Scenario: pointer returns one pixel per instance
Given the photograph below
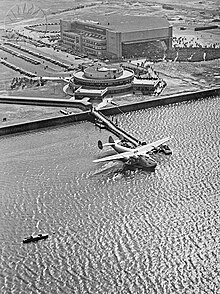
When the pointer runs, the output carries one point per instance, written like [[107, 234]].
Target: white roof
[[90, 91], [144, 82]]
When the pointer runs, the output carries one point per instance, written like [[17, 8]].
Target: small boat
[[64, 112], [34, 238]]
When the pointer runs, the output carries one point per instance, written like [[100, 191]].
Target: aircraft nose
[[149, 162], [152, 163]]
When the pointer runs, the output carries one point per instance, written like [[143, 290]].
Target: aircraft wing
[[148, 147], [124, 155], [137, 151]]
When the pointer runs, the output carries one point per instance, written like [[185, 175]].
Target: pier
[[103, 122], [50, 102]]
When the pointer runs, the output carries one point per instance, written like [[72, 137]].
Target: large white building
[[117, 37]]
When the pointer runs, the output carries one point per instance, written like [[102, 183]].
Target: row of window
[[94, 83], [90, 38], [70, 43], [93, 42], [69, 39], [92, 51], [92, 35], [94, 47], [69, 35], [84, 40]]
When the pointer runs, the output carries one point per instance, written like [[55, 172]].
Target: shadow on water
[[118, 170]]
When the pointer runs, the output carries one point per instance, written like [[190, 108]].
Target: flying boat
[[138, 156]]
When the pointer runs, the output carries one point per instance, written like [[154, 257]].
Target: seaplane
[[139, 156]]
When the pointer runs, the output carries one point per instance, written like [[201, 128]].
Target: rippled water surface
[[112, 230]]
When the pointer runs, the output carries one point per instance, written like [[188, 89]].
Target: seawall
[[163, 100], [44, 123], [71, 118]]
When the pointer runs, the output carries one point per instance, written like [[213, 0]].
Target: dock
[[83, 104]]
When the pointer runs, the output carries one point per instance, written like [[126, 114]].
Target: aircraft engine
[[126, 158], [132, 160], [135, 156]]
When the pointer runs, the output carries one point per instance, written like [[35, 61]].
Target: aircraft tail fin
[[102, 145]]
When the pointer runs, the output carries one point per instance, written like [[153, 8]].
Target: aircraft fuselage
[[140, 161]]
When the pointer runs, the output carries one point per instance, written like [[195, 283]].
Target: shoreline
[[190, 71], [113, 110]]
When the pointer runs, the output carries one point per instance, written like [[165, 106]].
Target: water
[[112, 230]]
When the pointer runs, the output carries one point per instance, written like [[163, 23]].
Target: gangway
[[113, 128]]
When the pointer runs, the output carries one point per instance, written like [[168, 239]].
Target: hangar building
[[117, 37]]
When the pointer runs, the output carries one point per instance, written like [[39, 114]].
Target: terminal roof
[[129, 23]]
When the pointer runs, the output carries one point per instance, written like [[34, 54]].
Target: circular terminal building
[[98, 80]]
